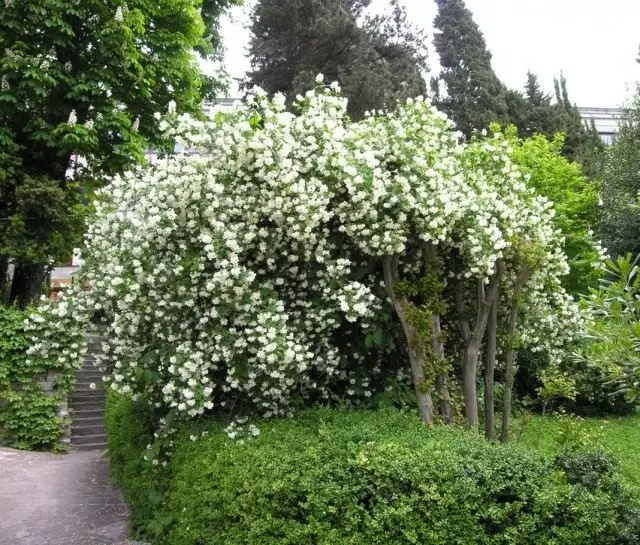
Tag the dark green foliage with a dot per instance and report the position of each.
(582, 142)
(590, 469)
(130, 430)
(475, 97)
(620, 228)
(363, 477)
(28, 417)
(376, 60)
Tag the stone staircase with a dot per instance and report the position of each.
(87, 404)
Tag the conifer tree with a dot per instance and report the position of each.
(475, 97)
(377, 60)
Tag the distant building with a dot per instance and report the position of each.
(607, 121)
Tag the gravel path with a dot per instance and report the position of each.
(59, 499)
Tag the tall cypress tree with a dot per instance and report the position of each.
(475, 97)
(583, 143)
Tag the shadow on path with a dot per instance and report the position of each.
(59, 499)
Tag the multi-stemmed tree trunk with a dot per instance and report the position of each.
(510, 355)
(415, 345)
(472, 335)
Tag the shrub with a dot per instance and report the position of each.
(256, 276)
(129, 425)
(610, 359)
(590, 469)
(365, 477)
(29, 418)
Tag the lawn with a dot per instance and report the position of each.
(618, 435)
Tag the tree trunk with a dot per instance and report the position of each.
(4, 280)
(414, 344)
(509, 374)
(444, 406)
(432, 264)
(470, 372)
(26, 286)
(489, 372)
(472, 338)
(510, 357)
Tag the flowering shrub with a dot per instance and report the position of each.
(256, 274)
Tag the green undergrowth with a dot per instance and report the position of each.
(332, 477)
(618, 436)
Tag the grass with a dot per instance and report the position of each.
(619, 436)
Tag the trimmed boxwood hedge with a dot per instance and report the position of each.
(358, 478)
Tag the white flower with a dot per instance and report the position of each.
(171, 107)
(73, 118)
(319, 78)
(119, 15)
(136, 125)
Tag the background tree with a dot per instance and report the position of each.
(376, 59)
(83, 78)
(471, 94)
(474, 96)
(620, 227)
(582, 143)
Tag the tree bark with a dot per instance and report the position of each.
(489, 372)
(509, 374)
(4, 280)
(444, 405)
(26, 286)
(414, 344)
(510, 356)
(472, 338)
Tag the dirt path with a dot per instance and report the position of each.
(59, 499)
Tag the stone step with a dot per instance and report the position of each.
(97, 412)
(80, 421)
(86, 381)
(100, 445)
(88, 378)
(92, 364)
(87, 389)
(88, 439)
(87, 404)
(91, 395)
(80, 430)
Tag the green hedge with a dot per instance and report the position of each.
(29, 418)
(358, 478)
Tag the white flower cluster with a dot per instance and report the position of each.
(57, 330)
(229, 278)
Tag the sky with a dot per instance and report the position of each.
(594, 43)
